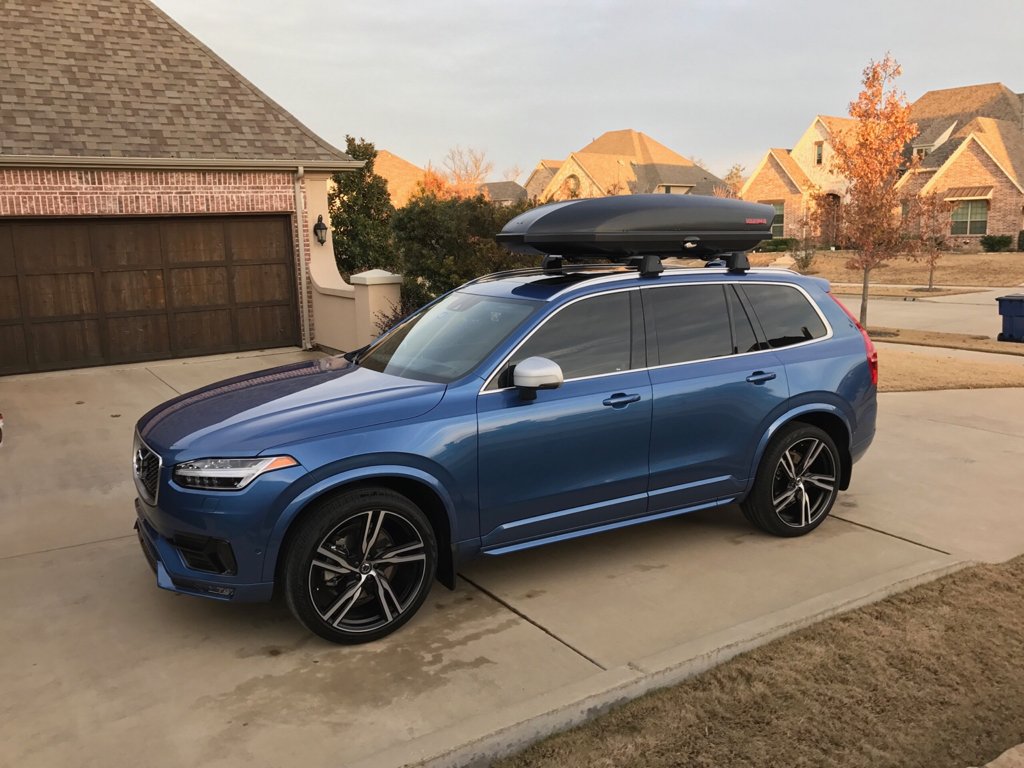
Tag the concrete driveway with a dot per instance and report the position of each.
(100, 668)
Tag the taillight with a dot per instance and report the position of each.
(869, 345)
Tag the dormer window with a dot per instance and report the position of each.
(921, 151)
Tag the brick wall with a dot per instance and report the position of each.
(67, 192)
(773, 185)
(974, 168)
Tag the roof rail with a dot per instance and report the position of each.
(562, 270)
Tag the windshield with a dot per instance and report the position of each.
(449, 339)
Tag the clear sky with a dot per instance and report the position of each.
(721, 80)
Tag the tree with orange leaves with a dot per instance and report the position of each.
(870, 155)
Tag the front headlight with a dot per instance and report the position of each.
(227, 474)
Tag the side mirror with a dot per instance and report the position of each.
(535, 373)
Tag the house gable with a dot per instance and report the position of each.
(971, 164)
(821, 131)
(562, 186)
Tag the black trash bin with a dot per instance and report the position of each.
(1011, 308)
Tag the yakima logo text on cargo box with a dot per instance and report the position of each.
(757, 221)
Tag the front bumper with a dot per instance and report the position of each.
(172, 572)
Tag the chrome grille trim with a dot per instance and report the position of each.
(146, 466)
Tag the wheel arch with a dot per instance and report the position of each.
(423, 490)
(826, 417)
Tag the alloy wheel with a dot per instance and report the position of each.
(804, 482)
(367, 571)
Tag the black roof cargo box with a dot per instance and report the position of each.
(636, 225)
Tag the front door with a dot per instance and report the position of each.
(577, 456)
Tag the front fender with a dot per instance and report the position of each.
(342, 478)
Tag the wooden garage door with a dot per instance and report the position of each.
(99, 291)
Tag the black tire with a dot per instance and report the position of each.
(791, 496)
(360, 565)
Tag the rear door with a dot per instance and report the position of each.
(577, 456)
(715, 386)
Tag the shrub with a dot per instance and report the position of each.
(993, 243)
(778, 244)
(803, 258)
(445, 242)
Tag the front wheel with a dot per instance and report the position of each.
(360, 565)
(797, 482)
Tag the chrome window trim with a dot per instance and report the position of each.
(829, 333)
(135, 475)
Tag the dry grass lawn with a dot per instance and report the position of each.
(990, 269)
(905, 370)
(947, 340)
(929, 678)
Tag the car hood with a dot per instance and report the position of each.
(251, 413)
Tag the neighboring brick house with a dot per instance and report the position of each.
(503, 192)
(787, 178)
(403, 177)
(153, 202)
(540, 177)
(970, 150)
(625, 162)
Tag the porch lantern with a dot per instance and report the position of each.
(320, 230)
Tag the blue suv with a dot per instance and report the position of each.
(520, 409)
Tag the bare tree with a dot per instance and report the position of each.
(466, 169)
(734, 178)
(512, 174)
(927, 222)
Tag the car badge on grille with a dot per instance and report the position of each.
(137, 462)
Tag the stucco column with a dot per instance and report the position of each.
(378, 292)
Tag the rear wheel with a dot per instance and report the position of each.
(360, 565)
(797, 482)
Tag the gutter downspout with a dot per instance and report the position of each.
(307, 342)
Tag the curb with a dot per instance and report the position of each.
(491, 736)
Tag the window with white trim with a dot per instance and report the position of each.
(779, 220)
(970, 217)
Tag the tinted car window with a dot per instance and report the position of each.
(449, 339)
(587, 338)
(743, 336)
(785, 314)
(691, 322)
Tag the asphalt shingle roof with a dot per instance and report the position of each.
(119, 78)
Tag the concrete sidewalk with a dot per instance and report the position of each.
(100, 668)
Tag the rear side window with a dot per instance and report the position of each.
(691, 322)
(785, 314)
(588, 338)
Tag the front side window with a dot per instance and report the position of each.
(691, 322)
(588, 338)
(970, 217)
(785, 314)
(448, 339)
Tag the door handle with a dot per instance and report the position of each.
(621, 399)
(760, 377)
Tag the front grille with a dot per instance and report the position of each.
(146, 466)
